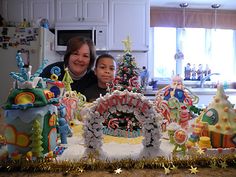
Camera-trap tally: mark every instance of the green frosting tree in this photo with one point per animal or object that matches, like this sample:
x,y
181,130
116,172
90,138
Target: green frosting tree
x,y
36,139
127,72
67,80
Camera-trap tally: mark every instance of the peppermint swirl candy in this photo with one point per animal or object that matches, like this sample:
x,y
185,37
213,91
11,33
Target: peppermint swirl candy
x,y
56,70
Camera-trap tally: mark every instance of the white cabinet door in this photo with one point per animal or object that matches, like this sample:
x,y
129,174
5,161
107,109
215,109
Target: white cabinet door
x,y
82,11
14,11
129,18
68,10
95,11
41,9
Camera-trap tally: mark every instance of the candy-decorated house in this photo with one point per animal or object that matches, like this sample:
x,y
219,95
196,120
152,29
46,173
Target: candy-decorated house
x,y
218,122
30,115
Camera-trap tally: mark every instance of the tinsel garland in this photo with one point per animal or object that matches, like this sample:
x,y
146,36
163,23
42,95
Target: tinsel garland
x,y
43,165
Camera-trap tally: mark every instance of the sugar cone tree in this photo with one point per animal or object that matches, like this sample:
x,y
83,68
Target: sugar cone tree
x,y
67,80
220,116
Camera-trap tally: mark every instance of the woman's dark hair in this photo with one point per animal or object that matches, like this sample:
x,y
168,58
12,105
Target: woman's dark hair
x,y
105,55
74,44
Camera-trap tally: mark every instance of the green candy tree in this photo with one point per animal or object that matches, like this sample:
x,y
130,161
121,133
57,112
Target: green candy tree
x,y
36,140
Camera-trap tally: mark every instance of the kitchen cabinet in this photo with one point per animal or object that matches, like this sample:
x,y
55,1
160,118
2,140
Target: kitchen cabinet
x,y
41,9
129,18
14,11
82,11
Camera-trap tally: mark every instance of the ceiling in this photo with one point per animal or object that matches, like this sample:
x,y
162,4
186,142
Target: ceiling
x,y
195,4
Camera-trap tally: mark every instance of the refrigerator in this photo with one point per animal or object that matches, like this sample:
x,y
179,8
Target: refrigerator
x,y
35,44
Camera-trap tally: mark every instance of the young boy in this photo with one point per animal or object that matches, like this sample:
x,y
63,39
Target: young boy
x,y
105,68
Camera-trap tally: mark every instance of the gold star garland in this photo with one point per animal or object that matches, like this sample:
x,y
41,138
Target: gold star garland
x,y
166,169
193,170
118,171
75,167
213,164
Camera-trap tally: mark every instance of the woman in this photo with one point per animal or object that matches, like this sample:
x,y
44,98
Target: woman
x,y
105,69
79,59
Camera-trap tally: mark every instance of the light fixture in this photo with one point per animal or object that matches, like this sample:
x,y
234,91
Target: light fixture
x,y
183,6
215,7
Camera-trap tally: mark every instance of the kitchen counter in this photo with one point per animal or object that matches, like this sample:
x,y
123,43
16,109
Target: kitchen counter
x,y
203,91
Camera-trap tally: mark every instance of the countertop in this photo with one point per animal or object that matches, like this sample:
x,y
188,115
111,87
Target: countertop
x,y
197,91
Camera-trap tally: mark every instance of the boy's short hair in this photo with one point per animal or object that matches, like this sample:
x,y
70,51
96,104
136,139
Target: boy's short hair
x,y
105,55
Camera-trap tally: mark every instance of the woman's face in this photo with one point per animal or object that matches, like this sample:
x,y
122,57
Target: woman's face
x,y
79,60
105,71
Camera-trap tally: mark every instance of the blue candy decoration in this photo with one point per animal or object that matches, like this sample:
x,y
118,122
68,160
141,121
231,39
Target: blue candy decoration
x,y
64,130
23,75
56,70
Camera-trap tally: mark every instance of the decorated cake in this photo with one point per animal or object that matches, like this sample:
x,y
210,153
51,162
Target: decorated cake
x,y
30,115
51,127
220,119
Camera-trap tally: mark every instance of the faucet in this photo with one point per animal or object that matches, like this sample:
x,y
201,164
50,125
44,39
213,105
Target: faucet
x,y
202,81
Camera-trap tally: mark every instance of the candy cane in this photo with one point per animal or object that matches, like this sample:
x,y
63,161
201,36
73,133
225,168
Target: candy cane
x,y
194,97
71,105
133,81
113,123
160,91
109,86
162,107
116,81
129,125
188,101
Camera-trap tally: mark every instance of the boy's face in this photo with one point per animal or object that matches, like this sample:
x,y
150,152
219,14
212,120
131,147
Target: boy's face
x,y
105,71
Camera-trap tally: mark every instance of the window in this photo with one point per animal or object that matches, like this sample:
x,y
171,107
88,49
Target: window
x,y
164,50
213,48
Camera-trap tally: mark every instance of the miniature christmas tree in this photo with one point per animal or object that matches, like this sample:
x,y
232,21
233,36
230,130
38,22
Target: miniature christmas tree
x,y
127,72
36,139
